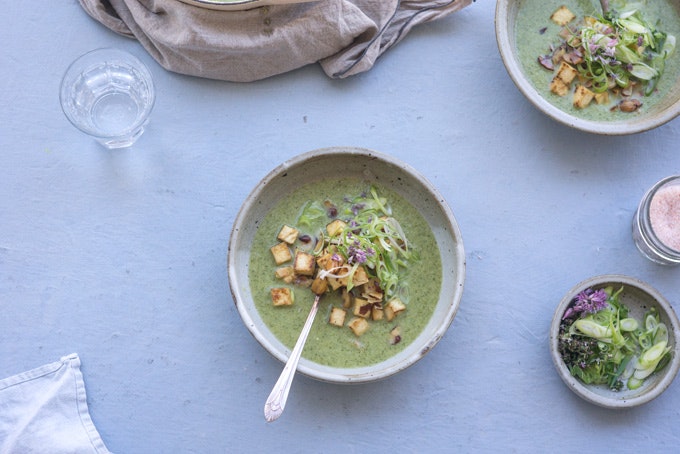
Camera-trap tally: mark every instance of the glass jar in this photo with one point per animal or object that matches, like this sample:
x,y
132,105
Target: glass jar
x,y
656,225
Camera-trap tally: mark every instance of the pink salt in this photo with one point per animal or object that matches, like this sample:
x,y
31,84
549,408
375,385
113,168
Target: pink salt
x,y
664,215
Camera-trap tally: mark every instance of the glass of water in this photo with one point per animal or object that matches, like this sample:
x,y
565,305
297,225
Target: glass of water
x,y
108,94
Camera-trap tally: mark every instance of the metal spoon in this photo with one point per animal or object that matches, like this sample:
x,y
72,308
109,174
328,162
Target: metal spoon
x,y
605,6
277,399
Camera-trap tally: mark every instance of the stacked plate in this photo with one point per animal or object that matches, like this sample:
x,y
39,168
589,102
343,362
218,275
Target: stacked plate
x,y
239,5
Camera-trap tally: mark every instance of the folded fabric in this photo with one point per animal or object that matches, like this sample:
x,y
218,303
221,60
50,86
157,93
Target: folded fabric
x,y
45,410
345,36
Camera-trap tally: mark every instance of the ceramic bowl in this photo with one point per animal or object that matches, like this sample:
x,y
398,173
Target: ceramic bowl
x,y
371,166
651,116
239,5
639,297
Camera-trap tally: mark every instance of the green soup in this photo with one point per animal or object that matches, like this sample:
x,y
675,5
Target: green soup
x,y
535,32
332,345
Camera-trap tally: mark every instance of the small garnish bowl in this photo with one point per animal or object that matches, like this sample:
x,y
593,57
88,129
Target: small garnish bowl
x,y
639,297
371,167
647,118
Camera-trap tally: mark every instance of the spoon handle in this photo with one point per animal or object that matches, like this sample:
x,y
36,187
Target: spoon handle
x,y
277,399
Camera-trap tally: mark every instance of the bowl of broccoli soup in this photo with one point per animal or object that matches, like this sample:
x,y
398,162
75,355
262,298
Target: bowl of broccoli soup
x,y
369,234
601,66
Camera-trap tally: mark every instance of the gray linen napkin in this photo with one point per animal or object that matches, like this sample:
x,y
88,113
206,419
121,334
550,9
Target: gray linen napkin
x,y
344,36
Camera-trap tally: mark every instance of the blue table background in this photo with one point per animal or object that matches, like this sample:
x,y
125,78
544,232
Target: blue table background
x,y
120,256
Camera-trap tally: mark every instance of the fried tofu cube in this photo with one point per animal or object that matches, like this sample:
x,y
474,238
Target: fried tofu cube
x,y
329,260
281,253
394,308
362,308
566,73
337,317
346,298
334,283
336,227
371,290
590,21
561,82
285,273
319,285
558,87
304,263
377,312
282,296
582,97
562,16
358,326
360,276
324,261
602,98
337,282
288,234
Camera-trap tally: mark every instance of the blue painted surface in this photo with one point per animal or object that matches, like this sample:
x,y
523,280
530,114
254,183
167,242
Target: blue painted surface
x,y
121,255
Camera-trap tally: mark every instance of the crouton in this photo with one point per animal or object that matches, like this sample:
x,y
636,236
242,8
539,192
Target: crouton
x,y
562,16
563,77
602,98
360,276
393,308
346,298
371,291
566,73
328,261
582,97
336,227
281,253
304,263
337,282
288,234
319,285
362,308
377,312
337,317
358,326
285,273
282,296
558,87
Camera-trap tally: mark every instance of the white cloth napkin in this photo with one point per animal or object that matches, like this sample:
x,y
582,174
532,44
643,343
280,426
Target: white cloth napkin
x,y
45,410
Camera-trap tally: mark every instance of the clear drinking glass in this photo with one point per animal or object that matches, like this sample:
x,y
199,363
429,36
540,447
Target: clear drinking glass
x,y
108,94
656,225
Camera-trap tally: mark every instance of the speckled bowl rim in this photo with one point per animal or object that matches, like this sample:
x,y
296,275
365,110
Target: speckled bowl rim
x,y
505,39
584,391
452,283
239,5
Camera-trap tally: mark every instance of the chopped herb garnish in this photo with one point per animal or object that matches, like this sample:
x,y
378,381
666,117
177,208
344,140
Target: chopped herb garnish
x,y
355,248
618,54
600,344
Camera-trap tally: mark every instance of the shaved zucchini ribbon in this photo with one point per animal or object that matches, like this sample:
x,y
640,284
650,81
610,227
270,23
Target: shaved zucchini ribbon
x,y
622,48
372,238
